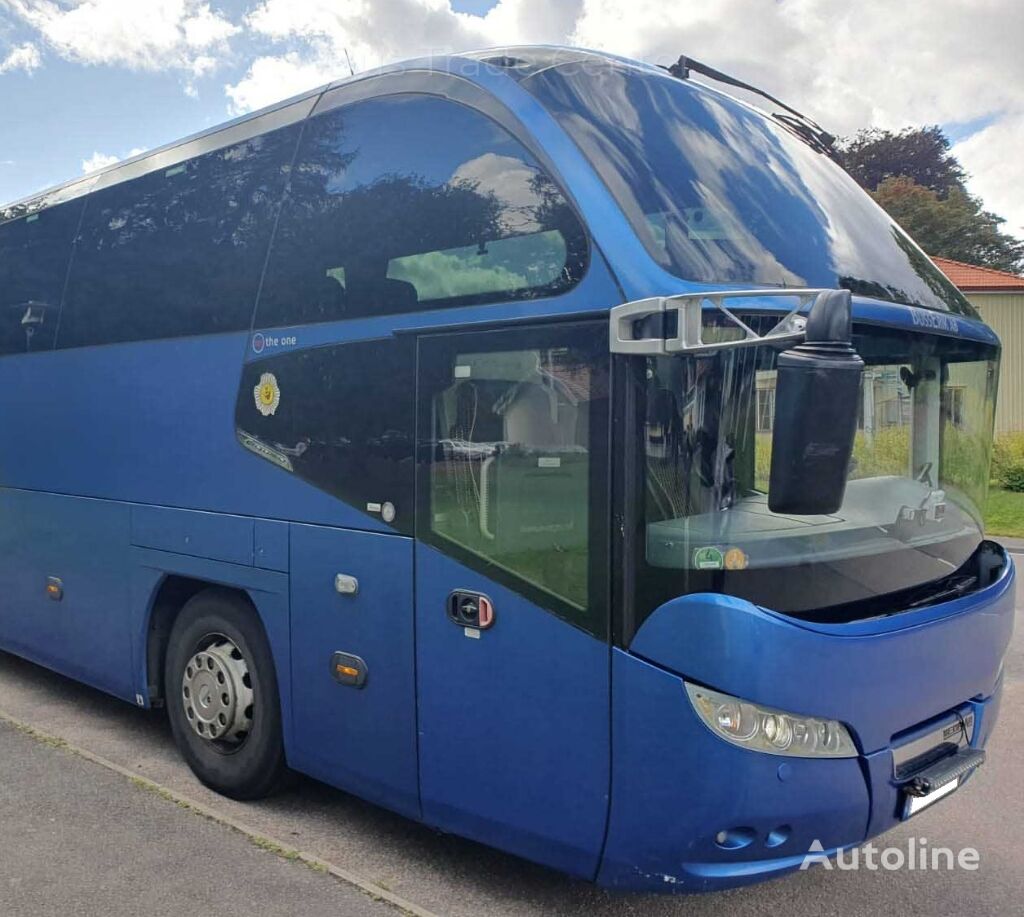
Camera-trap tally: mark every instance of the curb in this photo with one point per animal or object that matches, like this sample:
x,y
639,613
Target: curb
x,y
265,841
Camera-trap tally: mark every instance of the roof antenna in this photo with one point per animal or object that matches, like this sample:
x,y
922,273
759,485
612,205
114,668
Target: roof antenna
x,y
351,69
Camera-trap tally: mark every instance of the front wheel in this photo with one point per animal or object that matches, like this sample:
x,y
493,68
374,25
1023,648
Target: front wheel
x,y
222,697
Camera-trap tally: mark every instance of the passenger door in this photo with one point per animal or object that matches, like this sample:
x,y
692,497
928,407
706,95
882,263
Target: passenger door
x,y
512,514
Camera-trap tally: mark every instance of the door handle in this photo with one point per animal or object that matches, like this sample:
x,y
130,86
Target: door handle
x,y
470,609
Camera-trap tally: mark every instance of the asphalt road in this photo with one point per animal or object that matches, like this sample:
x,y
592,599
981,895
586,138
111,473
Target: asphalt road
x,y
76,838
79,839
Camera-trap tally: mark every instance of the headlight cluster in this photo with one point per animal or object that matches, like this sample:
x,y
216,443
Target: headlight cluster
x,y
765,729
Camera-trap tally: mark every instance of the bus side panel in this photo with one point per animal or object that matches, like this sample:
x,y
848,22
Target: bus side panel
x,y
149,423
83,629
361,738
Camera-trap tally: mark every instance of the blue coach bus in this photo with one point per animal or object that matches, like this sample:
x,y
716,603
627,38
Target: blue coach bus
x,y
542,445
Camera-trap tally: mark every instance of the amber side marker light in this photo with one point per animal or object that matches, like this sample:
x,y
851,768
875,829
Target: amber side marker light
x,y
348,669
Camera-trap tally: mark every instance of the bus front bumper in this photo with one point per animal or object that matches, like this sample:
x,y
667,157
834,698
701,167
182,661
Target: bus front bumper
x,y
691,812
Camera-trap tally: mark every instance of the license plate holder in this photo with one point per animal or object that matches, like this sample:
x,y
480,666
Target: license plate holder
x,y
912,805
939,779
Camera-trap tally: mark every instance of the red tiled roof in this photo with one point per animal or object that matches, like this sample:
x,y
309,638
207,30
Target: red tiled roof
x,y
971,278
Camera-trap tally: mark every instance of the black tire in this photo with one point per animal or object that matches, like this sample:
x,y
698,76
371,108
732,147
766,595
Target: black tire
x,y
256,766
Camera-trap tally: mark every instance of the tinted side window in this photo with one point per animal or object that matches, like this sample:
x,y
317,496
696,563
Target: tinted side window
x,y
179,251
413,202
514,428
34,255
340,417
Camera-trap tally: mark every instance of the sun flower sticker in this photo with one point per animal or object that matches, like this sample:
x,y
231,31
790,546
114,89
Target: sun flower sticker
x,y
267,394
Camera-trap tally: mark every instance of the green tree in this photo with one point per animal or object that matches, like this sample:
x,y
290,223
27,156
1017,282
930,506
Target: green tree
x,y
915,177
954,226
921,154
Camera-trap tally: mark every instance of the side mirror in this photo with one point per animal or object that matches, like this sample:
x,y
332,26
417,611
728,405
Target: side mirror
x,y
817,401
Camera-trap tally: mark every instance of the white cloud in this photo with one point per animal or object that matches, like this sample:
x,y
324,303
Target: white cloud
x,y
320,37
25,57
206,29
98,161
875,63
993,159
271,79
178,35
101,160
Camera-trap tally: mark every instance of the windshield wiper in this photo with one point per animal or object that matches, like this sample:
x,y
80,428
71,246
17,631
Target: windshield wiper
x,y
812,133
952,588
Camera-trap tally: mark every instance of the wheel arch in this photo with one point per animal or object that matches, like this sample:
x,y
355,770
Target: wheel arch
x,y
162,582
171,595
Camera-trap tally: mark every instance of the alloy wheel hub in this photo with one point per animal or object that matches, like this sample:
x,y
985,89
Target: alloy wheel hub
x,y
216,691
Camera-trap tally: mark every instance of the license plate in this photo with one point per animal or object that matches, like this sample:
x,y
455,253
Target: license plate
x,y
915,804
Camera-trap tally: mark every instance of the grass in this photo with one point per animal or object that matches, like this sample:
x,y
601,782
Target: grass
x,y
1004,514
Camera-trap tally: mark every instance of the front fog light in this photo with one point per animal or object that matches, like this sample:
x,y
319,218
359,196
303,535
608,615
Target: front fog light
x,y
774,731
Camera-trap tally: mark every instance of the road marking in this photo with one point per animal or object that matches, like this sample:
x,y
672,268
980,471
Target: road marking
x,y
368,886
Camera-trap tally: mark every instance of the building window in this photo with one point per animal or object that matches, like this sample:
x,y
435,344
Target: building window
x,y
766,408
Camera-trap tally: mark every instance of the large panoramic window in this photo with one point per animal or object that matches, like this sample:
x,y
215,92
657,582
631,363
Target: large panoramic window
x,y
34,255
720,193
178,251
912,513
414,202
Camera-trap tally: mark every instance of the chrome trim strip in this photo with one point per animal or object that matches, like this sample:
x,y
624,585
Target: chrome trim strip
x,y
949,730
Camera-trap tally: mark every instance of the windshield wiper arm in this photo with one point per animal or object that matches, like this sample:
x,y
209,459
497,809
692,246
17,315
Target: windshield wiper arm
x,y
808,130
956,589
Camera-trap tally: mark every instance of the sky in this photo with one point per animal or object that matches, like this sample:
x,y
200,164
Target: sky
x,y
85,82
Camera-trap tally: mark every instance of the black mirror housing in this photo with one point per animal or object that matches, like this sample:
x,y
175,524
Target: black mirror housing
x,y
817,402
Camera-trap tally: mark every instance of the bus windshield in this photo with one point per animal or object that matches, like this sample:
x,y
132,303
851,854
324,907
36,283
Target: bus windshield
x,y
720,193
912,510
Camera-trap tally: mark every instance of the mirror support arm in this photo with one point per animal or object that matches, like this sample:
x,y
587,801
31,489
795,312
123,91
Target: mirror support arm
x,y
631,322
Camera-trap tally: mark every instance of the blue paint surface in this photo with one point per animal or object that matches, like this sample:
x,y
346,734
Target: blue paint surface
x,y
912,667
85,543
216,536
514,730
676,786
361,739
931,660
